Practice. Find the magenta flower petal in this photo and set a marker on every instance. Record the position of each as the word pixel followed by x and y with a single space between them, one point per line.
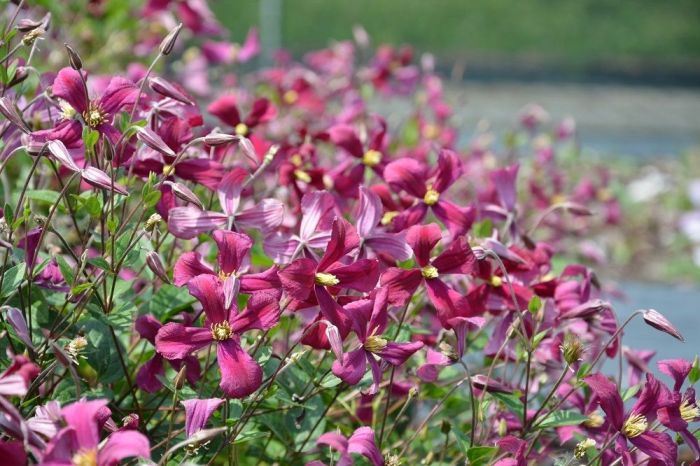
pixel 225 109
pixel 69 86
pixel 261 313
pixel 198 412
pixel 363 443
pixel 410 217
pixel 401 284
pixel 449 168
pixel 504 181
pixel 361 275
pixel 352 368
pixel 657 445
pixel 82 417
pixel 240 373
pixel 458 220
pixel 317 213
pixel 345 136
pixel 334 440
pixel 608 397
pixel 434 361
pixel 266 215
pixel 370 212
pixel 148 326
pixel 188 266
pixel 422 239
pixel 408 175
pixel 267 280
pixel 119 93
pixel 206 172
pixel 250 47
pixel 343 240
pixel 678 369
pixel 208 291
pixel 447 301
pixel 147 376
pixel 391 244
pixel 19 324
pixel 298 278
pixel 397 353
pixel 176 341
pixel 233 249
pixel 332 311
pixel 188 222
pixel 124 444
pixel 12 452
pixel 456 258
pixel 229 190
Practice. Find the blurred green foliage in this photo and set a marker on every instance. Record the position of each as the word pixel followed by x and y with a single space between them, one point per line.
pixel 574 33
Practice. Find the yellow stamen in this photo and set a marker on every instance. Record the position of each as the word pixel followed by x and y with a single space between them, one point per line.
pixel 689 412
pixel 94 116
pixel 595 419
pixel 85 458
pixel 223 275
pixel 372 158
pixel 634 426
pixel 301 175
pixel 296 160
pixel 374 344
pixel 168 170
pixel 429 272
pixel 290 97
pixel 496 281
pixel 581 447
pixel 388 217
pixel 326 279
pixel 241 129
pixel 558 199
pixel 431 196
pixel 67 112
pixel 221 331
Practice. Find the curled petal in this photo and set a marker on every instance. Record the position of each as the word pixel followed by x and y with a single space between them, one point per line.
pixel 608 397
pixel 362 442
pixel 408 175
pixel 124 444
pixel 397 353
pixel 188 222
pixel 352 367
pixel 198 412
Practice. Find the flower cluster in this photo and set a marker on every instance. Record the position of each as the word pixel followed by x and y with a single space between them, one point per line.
pixel 323 281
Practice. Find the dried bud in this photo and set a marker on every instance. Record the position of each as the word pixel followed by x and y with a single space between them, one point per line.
pixel 658 321
pixel 181 378
pixel 31 37
pixel 572 349
pixel 156 266
pixel 445 427
pixel 219 139
pixel 76 346
pixel 21 74
pixel 166 89
pixel 9 111
pixel 166 46
pixel 449 351
pixel 155 142
pixel 107 149
pixel 153 222
pixel 582 446
pixel 131 422
pixel 73 58
pixel 183 192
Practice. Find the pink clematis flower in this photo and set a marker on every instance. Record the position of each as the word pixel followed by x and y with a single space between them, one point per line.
pixel 240 373
pixel 95 113
pixel 428 187
pixel 226 110
pixel 371 235
pixel 187 222
pixel 361 442
pixel 681 408
pixel 453 309
pixel 306 280
pixel 369 319
pixel 79 441
pixel 635 425
pixel 198 412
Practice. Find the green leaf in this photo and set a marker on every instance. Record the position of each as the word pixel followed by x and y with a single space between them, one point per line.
pixel 694 374
pixel 631 391
pixel 535 304
pixel 151 199
pixel 512 402
pixel 13 278
pixel 100 262
pixel 330 381
pixel 43 195
pixel 583 370
pixel 76 290
pixel 562 418
pixel 483 229
pixel 478 456
pixel 169 300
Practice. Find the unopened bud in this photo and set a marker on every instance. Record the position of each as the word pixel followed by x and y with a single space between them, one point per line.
pixel 107 149
pixel 130 422
pixel 219 139
pixel 166 89
pixel 657 320
pixel 445 427
pixel 154 141
pixel 156 266
pixel 153 222
pixel 183 192
pixel 572 349
pixel 76 346
pixel 26 25
pixel 73 58
pixel 9 111
pixel 181 378
pixel 166 46
pixel 21 74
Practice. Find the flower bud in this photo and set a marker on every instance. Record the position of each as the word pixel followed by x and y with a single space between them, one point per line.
pixel 219 139
pixel 153 222
pixel 166 46
pixel 655 319
pixel 166 89
pixel 183 192
pixel 26 25
pixel 73 58
pixel 156 266
pixel 482 382
pixel 155 142
pixel 9 111
pixel 31 37
pixel 107 149
pixel 181 378
pixel 130 422
pixel 572 349
pixel 21 74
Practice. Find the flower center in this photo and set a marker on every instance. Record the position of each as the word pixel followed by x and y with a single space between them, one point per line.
pixel 634 426
pixel 429 272
pixel 94 116
pixel 431 196
pixel 301 175
pixel 241 129
pixel 581 447
pixel 221 331
pixel 85 458
pixel 594 420
pixel 326 279
pixel 168 170
pixel 374 344
pixel 223 275
pixel 689 411
pixel 67 112
pixel 296 160
pixel 290 97
pixel 496 281
pixel 372 158
pixel 388 217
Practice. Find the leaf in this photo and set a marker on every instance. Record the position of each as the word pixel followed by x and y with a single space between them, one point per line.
pixel 100 262
pixel 631 391
pixel 13 278
pixel 43 195
pixel 151 199
pixel 583 370
pixel 535 304
pixel 694 374
pixel 562 418
pixel 169 300
pixel 481 455
pixel 512 402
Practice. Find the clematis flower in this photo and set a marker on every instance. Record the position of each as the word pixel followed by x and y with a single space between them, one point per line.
pixel 307 280
pixel 187 222
pixel 515 446
pixel 634 426
pixel 361 442
pixel 680 408
pixel 226 110
pixel 240 373
pixel 369 319
pixel 371 236
pixel 198 412
pixel 453 309
pixel 147 376
pixel 96 113
pixel 79 443
pixel 428 188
